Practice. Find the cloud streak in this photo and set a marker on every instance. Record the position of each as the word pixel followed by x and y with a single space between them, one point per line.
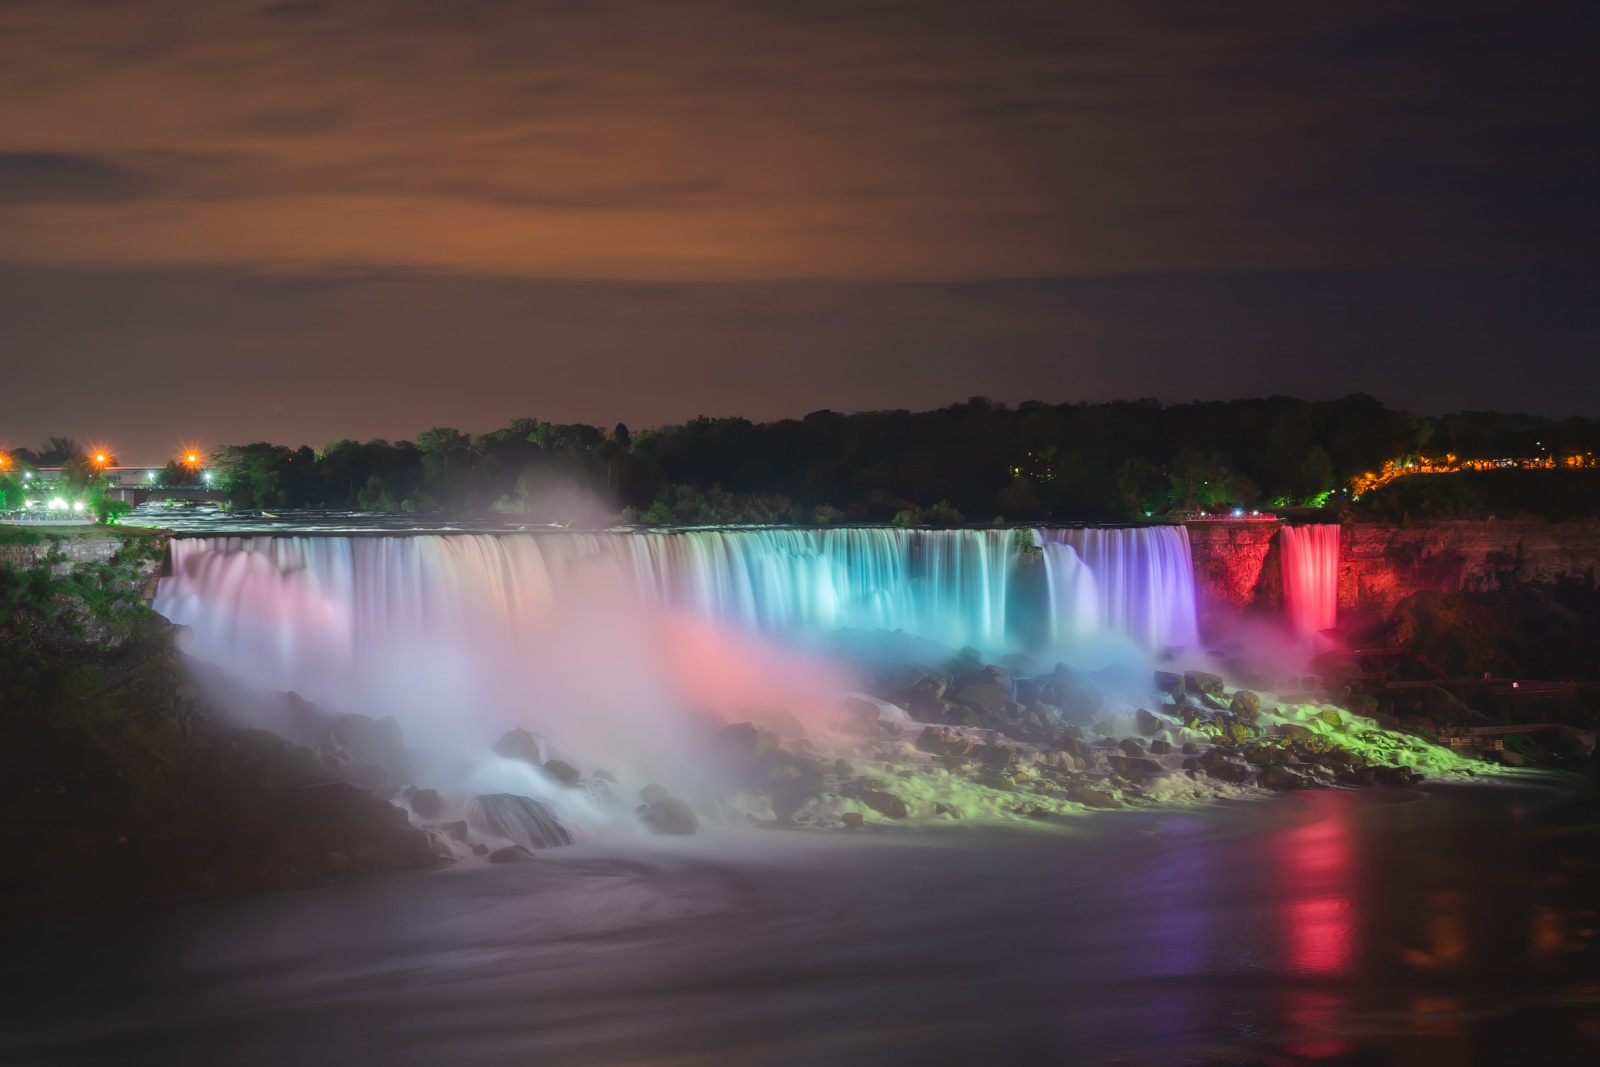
pixel 932 141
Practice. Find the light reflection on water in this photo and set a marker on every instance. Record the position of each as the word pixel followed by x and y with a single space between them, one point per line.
pixel 1315 927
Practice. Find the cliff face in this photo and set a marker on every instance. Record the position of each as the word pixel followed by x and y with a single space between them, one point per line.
pixel 1237 564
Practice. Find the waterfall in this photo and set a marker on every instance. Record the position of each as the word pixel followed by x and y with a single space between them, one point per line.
pixel 274 605
pixel 1143 582
pixel 1310 577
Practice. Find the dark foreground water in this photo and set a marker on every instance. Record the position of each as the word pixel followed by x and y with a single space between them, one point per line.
pixel 1453 926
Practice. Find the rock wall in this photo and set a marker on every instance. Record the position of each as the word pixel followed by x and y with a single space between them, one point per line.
pixel 97 550
pixel 1237 566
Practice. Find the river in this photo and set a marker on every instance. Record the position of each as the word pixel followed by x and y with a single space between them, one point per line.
pixel 1450 924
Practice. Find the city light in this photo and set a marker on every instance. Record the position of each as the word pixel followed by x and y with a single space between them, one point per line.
pixel 57 504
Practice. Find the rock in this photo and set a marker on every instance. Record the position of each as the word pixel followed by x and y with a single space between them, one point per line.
pixel 841 767
pixel 1074 746
pixel 528 822
pixel 480 849
pixel 1166 682
pixel 884 803
pixel 605 776
pixel 1238 733
pixel 1201 682
pixel 1228 772
pixel 519 744
pixel 1160 748
pixel 1276 777
pixel 1578 742
pixel 562 771
pixel 988 697
pixel 1329 717
pixel 652 793
pixel 1296 732
pixel 853 818
pixel 373 743
pixel 1260 755
pixel 1190 748
pixel 997 756
pixel 671 816
pixel 1147 723
pixel 1135 769
pixel 455 831
pixel 1093 798
pixel 427 803
pixel 1080 706
pixel 1131 747
pixel 1245 705
pixel 510 854
pixel 302 826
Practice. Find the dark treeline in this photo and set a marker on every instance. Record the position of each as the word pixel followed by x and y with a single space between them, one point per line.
pixel 975 461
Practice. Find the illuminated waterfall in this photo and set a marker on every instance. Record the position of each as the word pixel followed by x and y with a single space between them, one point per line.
pixel 277 606
pixel 1143 582
pixel 1310 556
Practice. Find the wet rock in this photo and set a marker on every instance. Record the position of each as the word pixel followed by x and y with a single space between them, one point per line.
pixel 1093 798
pixel 1245 705
pixel 1277 777
pixel 671 816
pixel 1135 769
pixel 1201 682
pixel 1147 724
pixel 884 803
pixel 996 757
pixel 304 825
pixel 528 822
pixel 605 776
pixel 1074 746
pixel 841 767
pixel 1167 682
pixel 455 831
pixel 652 793
pixel 1191 749
pixel 427 803
pixel 480 849
pixel 519 744
pixel 562 771
pixel 987 697
pixel 1329 717
pixel 1577 742
pixel 741 744
pixel 510 854
pixel 1080 706
pixel 1160 748
pixel 1295 732
pixel 853 819
pixel 1228 772
pixel 1260 755
pixel 1131 747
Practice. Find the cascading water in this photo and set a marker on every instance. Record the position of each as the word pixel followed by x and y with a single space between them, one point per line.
pixel 1139 581
pixel 1310 556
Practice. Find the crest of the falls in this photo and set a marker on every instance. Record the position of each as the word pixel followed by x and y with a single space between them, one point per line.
pixel 274 606
pixel 1310 577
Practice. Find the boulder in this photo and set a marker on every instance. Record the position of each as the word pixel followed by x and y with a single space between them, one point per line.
pixel 651 793
pixel 670 815
pixel 1135 769
pixel 303 826
pixel 884 803
pixel 1148 724
pixel 853 818
pixel 1093 798
pixel 1329 717
pixel 1245 705
pixel 1201 682
pixel 562 771
pixel 523 820
pixel 1228 772
pixel 510 854
pixel 1131 747
pixel 998 757
pixel 1080 706
pixel 1295 732
pixel 1166 682
pixel 427 803
pixel 519 744
pixel 986 697
pixel 1160 748
pixel 455 831
pixel 741 744
pixel 1260 755
pixel 1277 777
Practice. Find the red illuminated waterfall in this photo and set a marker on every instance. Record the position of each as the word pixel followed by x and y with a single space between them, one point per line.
pixel 1311 577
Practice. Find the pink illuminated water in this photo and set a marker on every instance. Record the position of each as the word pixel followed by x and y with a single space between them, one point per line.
pixel 1310 577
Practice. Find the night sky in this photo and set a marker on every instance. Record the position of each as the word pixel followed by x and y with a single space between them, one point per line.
pixel 225 221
